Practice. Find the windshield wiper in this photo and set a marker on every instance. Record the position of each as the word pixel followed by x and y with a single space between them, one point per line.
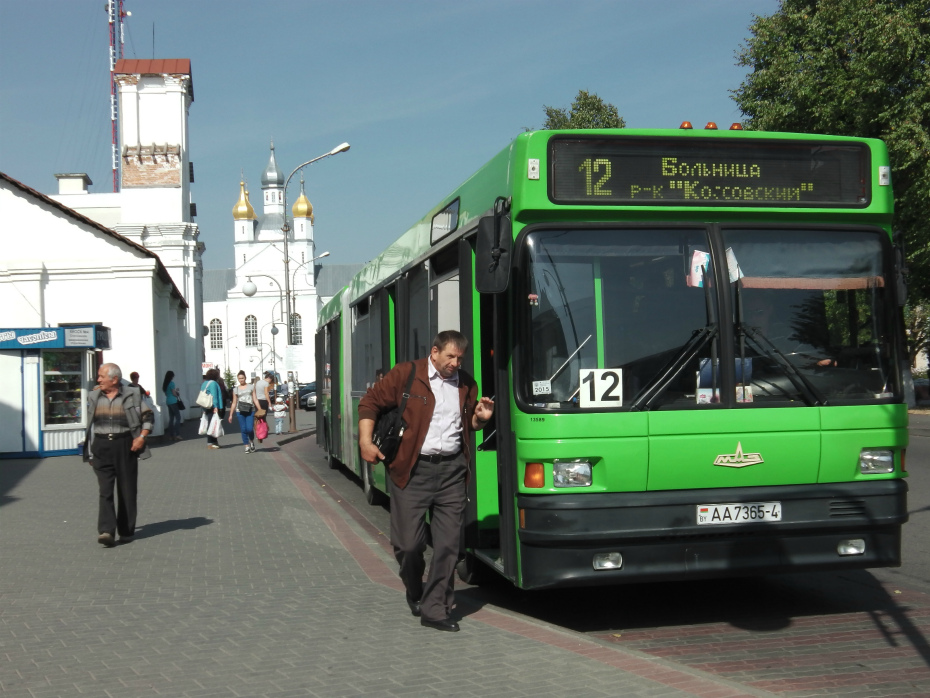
pixel 812 396
pixel 691 349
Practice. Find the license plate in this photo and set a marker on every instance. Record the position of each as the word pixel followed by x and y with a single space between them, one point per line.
pixel 742 513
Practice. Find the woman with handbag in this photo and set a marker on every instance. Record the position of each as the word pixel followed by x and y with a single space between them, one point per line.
pixel 173 400
pixel 262 389
pixel 243 405
pixel 212 389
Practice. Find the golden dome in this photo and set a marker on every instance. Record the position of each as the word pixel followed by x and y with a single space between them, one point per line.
pixel 302 207
pixel 243 210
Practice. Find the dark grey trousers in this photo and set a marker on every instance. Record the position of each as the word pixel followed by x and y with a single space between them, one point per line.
pixel 440 490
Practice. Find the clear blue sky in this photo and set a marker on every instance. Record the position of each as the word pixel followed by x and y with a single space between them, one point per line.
pixel 425 91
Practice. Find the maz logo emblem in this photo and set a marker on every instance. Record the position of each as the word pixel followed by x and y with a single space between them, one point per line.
pixel 738 459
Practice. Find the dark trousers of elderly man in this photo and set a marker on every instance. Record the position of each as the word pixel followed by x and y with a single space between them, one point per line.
pixel 117 468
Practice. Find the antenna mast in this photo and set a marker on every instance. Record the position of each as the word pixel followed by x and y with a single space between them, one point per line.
pixel 115 15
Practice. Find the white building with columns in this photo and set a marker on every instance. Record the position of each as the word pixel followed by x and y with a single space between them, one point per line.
pixel 249 333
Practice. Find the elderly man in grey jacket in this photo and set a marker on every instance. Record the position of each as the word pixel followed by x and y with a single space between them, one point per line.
pixel 118 422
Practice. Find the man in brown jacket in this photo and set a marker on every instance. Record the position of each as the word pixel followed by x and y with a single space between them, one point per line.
pixel 430 469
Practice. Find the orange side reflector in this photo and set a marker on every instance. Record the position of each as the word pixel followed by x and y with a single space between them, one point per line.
pixel 534 476
pixel 686 124
pixel 736 126
pixel 711 126
pixel 903 460
pixel 523 518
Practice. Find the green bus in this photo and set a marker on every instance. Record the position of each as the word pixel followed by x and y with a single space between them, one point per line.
pixel 693 339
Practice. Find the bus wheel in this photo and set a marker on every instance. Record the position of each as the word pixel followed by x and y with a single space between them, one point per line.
pixel 472 571
pixel 373 495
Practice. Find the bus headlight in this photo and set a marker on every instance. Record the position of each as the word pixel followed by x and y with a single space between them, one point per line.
pixel 873 461
pixel 571 473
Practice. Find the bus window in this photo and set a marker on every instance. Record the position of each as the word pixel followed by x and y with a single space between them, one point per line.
pixel 418 332
pixel 812 314
pixel 613 299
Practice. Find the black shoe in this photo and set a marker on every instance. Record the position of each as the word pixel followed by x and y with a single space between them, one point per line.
pixel 446 624
pixel 126 539
pixel 106 540
pixel 414 607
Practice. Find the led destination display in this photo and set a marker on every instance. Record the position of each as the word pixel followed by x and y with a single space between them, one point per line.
pixel 708 172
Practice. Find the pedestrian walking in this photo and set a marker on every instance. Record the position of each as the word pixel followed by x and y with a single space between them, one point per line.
pixel 243 405
pixel 113 444
pixel 173 400
pixel 280 412
pixel 211 385
pixel 429 471
pixel 262 390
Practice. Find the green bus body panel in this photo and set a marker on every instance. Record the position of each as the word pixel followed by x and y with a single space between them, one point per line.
pixel 677 449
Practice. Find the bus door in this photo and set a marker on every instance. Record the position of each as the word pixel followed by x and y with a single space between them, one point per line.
pixel 333 384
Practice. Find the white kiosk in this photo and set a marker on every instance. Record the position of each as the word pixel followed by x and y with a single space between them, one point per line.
pixel 45 374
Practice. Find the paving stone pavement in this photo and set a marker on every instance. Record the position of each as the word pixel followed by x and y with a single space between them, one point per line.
pixel 244 580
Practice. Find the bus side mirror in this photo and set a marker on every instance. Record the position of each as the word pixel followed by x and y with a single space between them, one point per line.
pixel 493 250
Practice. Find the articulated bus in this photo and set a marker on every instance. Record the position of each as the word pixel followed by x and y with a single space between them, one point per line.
pixel 693 339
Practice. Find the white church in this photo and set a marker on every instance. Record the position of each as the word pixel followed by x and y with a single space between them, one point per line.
pixel 247 326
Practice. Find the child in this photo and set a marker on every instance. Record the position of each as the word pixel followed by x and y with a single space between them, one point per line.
pixel 280 412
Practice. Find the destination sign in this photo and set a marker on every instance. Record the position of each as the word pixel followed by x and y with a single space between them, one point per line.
pixel 708 172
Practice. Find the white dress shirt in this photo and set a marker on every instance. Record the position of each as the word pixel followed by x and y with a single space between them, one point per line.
pixel 445 428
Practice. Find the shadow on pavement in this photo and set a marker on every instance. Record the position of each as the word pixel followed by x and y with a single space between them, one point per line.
pixel 12 472
pixel 157 528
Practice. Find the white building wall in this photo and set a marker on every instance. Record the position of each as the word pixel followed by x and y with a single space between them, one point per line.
pixel 86 276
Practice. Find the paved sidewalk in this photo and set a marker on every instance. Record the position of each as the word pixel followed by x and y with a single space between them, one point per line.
pixel 245 580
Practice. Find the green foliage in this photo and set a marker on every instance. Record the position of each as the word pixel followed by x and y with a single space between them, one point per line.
pixel 229 378
pixel 855 68
pixel 587 111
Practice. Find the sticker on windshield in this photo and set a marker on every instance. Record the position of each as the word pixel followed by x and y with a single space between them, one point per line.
pixel 699 263
pixel 542 387
pixel 600 387
pixel 735 272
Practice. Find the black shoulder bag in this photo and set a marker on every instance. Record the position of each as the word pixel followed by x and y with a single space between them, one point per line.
pixel 390 426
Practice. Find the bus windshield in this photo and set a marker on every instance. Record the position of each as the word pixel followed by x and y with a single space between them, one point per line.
pixel 625 300
pixel 628 318
pixel 809 315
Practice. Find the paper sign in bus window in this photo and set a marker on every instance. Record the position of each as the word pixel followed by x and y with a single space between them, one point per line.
pixel 600 387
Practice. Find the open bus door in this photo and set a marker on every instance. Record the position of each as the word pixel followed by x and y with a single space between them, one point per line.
pixel 495 546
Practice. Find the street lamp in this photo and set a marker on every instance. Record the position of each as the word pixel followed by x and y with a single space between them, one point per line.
pixel 286 229
pixel 250 289
pixel 341 148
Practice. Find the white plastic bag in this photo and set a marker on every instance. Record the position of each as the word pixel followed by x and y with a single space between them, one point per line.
pixel 216 426
pixel 204 425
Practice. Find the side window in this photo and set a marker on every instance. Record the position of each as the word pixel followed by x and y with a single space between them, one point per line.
pixel 251 331
pixel 216 333
pixel 418 335
pixel 361 330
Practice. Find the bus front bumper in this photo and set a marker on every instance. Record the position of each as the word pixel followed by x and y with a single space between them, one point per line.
pixel 655 535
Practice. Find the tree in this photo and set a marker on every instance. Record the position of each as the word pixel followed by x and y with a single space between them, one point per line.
pixel 587 111
pixel 229 378
pixel 853 68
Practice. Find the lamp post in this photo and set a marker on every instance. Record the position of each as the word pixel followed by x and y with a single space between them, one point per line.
pixel 286 230
pixel 341 148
